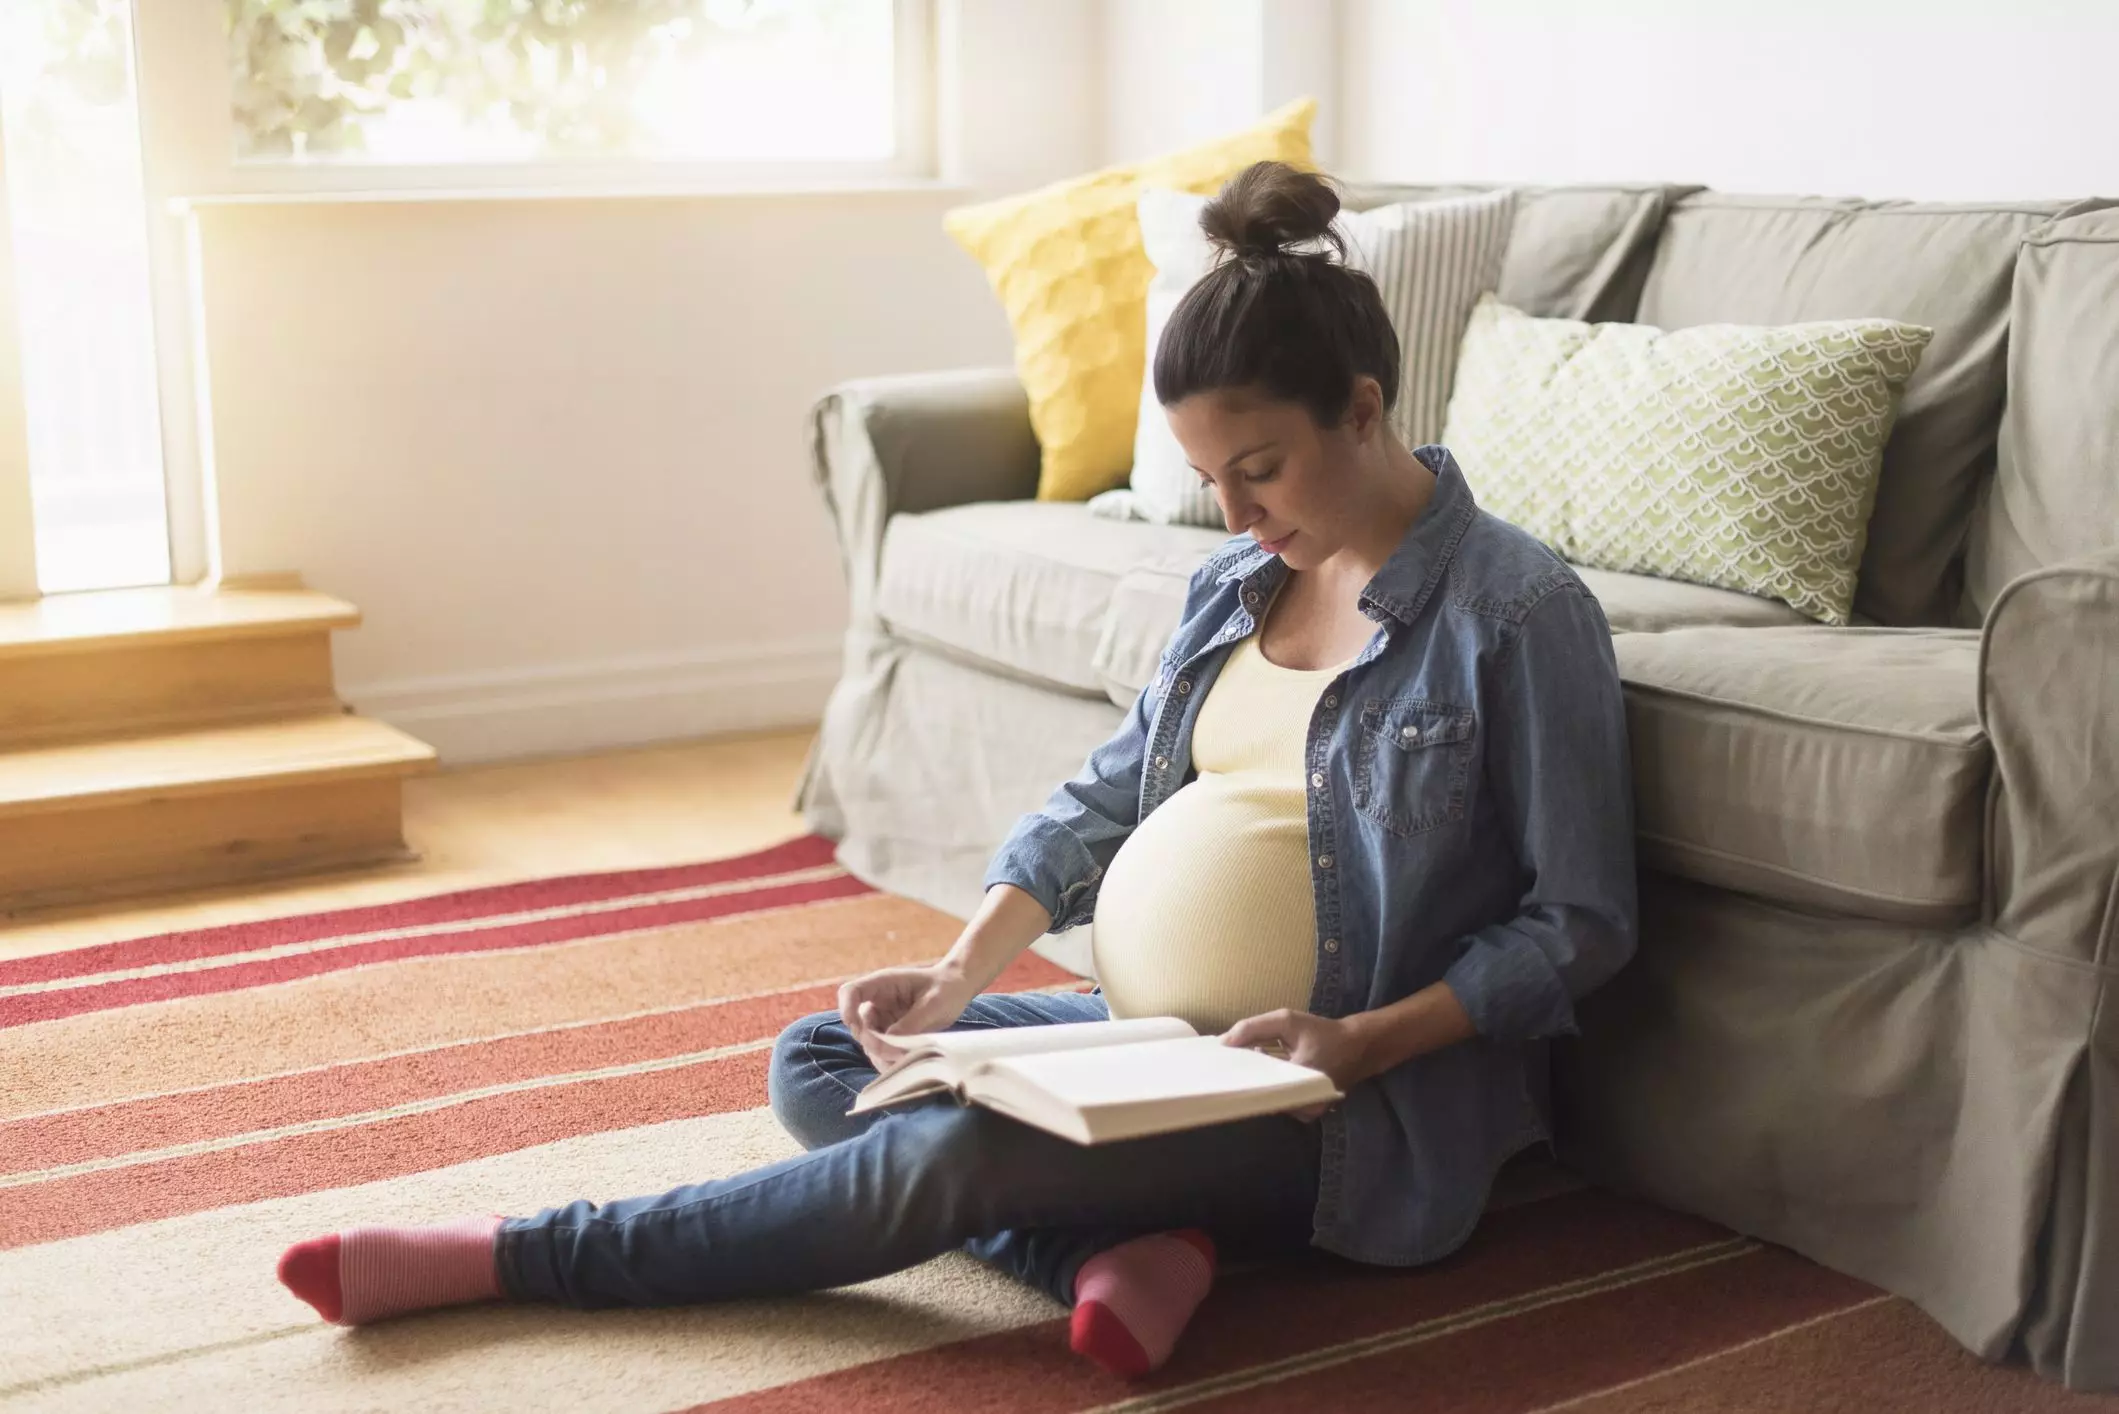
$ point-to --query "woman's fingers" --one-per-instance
(1271, 1031)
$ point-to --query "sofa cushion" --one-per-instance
(1150, 598)
(1021, 586)
(1733, 455)
(1574, 252)
(1639, 603)
(1841, 769)
(2055, 492)
(1067, 263)
(1785, 260)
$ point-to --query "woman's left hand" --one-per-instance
(1305, 1038)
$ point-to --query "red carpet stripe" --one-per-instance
(46, 1006)
(355, 1087)
(390, 1148)
(807, 852)
(136, 1126)
(1255, 1318)
(1581, 1345)
(376, 1149)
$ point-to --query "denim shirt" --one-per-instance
(1470, 821)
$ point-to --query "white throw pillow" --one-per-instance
(1431, 260)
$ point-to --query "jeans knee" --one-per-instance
(806, 1098)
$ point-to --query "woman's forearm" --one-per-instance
(1428, 1020)
(1009, 919)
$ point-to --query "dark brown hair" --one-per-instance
(1281, 311)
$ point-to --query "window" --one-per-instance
(368, 95)
(113, 110)
(417, 81)
(85, 320)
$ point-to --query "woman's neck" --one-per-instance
(1394, 496)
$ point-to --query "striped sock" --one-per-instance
(366, 1273)
(1131, 1303)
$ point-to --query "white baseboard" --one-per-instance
(567, 708)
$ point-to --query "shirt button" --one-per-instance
(1317, 778)
(1184, 685)
(1331, 699)
(1331, 945)
(1250, 599)
(1410, 732)
(1162, 763)
(1324, 861)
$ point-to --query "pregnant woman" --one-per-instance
(1375, 808)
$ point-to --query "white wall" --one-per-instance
(1879, 98)
(554, 449)
(1178, 72)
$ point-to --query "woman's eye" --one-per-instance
(1255, 477)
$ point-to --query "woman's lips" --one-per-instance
(1274, 547)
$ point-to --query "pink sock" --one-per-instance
(366, 1273)
(1133, 1302)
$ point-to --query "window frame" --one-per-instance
(182, 50)
(18, 537)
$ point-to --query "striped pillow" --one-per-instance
(1431, 260)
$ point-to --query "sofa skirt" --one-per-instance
(924, 763)
(1911, 1107)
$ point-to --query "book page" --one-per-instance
(1173, 1074)
(941, 1060)
(968, 1048)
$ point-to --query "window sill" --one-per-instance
(600, 191)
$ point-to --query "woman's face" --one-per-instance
(1280, 478)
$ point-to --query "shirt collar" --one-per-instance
(1408, 578)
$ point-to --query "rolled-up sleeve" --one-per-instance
(1558, 763)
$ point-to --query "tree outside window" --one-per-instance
(420, 81)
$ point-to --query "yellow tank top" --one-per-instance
(1206, 911)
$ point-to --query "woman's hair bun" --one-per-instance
(1269, 209)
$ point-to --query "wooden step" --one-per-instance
(205, 761)
(202, 807)
(176, 613)
(92, 665)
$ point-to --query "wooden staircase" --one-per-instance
(174, 738)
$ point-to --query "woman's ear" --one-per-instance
(1364, 411)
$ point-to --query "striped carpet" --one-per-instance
(174, 1110)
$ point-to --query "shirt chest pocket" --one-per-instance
(1412, 763)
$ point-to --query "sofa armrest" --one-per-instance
(2049, 698)
(916, 442)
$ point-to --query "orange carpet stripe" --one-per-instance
(133, 1126)
(382, 1148)
(367, 1012)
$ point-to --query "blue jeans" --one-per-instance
(880, 1192)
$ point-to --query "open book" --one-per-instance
(1095, 1081)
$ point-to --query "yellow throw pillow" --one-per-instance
(1068, 264)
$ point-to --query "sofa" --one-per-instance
(1874, 1015)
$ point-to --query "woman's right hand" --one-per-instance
(902, 1000)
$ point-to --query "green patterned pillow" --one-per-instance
(1731, 455)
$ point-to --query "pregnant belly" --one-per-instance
(1206, 911)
